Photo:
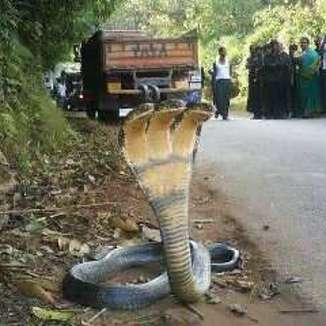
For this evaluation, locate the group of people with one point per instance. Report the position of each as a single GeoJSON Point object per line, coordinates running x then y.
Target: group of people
{"type": "Point", "coordinates": [292, 84]}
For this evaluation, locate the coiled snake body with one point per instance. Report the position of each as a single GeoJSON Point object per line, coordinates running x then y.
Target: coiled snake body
{"type": "Point", "coordinates": [158, 143]}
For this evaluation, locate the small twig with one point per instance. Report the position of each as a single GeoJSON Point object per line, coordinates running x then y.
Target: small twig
{"type": "Point", "coordinates": [12, 266]}
{"type": "Point", "coordinates": [27, 211]}
{"type": "Point", "coordinates": [208, 221]}
{"type": "Point", "coordinates": [101, 238]}
{"type": "Point", "coordinates": [32, 274]}
{"type": "Point", "coordinates": [254, 320]}
{"type": "Point", "coordinates": [95, 205]}
{"type": "Point", "coordinates": [54, 209]}
{"type": "Point", "coordinates": [89, 322]}
{"type": "Point", "coordinates": [147, 320]}
{"type": "Point", "coordinates": [194, 310]}
{"type": "Point", "coordinates": [298, 311]}
{"type": "Point", "coordinates": [58, 215]}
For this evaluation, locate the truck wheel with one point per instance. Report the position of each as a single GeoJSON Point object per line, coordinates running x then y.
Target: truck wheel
{"type": "Point", "coordinates": [155, 93]}
{"type": "Point", "coordinates": [108, 116]}
{"type": "Point", "coordinates": [90, 111]}
{"type": "Point", "coordinates": [109, 110]}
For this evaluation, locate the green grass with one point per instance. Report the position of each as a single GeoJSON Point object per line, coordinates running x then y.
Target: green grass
{"type": "Point", "coordinates": [34, 127]}
{"type": "Point", "coordinates": [239, 104]}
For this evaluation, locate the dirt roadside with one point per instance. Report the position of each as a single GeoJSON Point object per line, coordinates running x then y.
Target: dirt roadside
{"type": "Point", "coordinates": [84, 199]}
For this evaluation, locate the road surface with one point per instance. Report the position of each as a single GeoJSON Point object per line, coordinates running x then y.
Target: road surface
{"type": "Point", "coordinates": [274, 171]}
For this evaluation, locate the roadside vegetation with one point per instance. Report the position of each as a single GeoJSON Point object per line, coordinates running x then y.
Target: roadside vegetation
{"type": "Point", "coordinates": [235, 24]}
{"type": "Point", "coordinates": [33, 38]}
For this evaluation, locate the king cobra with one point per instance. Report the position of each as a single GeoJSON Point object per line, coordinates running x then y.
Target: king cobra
{"type": "Point", "coordinates": [158, 143]}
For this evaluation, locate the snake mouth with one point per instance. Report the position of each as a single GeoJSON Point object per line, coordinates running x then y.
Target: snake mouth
{"type": "Point", "coordinates": [158, 143]}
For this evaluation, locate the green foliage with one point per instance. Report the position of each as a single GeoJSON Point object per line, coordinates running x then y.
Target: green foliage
{"type": "Point", "coordinates": [49, 28]}
{"type": "Point", "coordinates": [34, 36]}
{"type": "Point", "coordinates": [288, 23]}
{"type": "Point", "coordinates": [212, 19]}
{"type": "Point", "coordinates": [233, 23]}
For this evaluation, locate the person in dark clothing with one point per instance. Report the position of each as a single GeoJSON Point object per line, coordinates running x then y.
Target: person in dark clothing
{"type": "Point", "coordinates": [322, 53]}
{"type": "Point", "coordinates": [251, 77]}
{"type": "Point", "coordinates": [255, 65]}
{"type": "Point", "coordinates": [318, 41]}
{"type": "Point", "coordinates": [293, 48]}
{"type": "Point", "coordinates": [266, 50]}
{"type": "Point", "coordinates": [275, 106]}
{"type": "Point", "coordinates": [285, 65]}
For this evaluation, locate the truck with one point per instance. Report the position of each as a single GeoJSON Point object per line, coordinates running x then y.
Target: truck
{"type": "Point", "coordinates": [122, 69]}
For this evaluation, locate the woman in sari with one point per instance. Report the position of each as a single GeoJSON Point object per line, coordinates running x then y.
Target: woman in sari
{"type": "Point", "coordinates": [308, 81]}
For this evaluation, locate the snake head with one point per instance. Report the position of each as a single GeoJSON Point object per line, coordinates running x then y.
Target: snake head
{"type": "Point", "coordinates": [158, 143]}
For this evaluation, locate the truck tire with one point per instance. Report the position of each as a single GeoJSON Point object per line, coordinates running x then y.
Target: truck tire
{"type": "Point", "coordinates": [155, 93]}
{"type": "Point", "coordinates": [108, 110]}
{"type": "Point", "coordinates": [108, 116]}
{"type": "Point", "coordinates": [91, 112]}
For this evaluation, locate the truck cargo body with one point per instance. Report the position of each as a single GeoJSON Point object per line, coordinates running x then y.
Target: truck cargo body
{"type": "Point", "coordinates": [122, 69]}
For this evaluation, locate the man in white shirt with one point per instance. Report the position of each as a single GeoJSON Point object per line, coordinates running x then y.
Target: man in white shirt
{"type": "Point", "coordinates": [223, 83]}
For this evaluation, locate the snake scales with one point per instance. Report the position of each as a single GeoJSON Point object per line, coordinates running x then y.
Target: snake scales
{"type": "Point", "coordinates": [157, 142]}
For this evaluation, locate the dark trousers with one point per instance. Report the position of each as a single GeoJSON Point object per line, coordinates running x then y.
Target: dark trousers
{"type": "Point", "coordinates": [257, 100]}
{"type": "Point", "coordinates": [274, 100]}
{"type": "Point", "coordinates": [222, 93]}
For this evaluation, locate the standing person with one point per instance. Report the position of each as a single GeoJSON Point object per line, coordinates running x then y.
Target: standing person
{"type": "Point", "coordinates": [293, 48]}
{"type": "Point", "coordinates": [308, 80]}
{"type": "Point", "coordinates": [285, 62]}
{"type": "Point", "coordinates": [275, 106]}
{"type": "Point", "coordinates": [258, 104]}
{"type": "Point", "coordinates": [318, 40]}
{"type": "Point", "coordinates": [266, 50]}
{"type": "Point", "coordinates": [323, 75]}
{"type": "Point", "coordinates": [254, 65]}
{"type": "Point", "coordinates": [251, 79]}
{"type": "Point", "coordinates": [223, 83]}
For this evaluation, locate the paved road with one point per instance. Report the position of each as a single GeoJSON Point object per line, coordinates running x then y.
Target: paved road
{"type": "Point", "coordinates": [275, 172]}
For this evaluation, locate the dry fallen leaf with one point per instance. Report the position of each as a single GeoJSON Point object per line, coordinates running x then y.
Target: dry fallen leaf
{"type": "Point", "coordinates": [241, 285]}
{"type": "Point", "coordinates": [212, 298]}
{"type": "Point", "coordinates": [151, 234]}
{"type": "Point", "coordinates": [181, 317]}
{"type": "Point", "coordinates": [237, 309]}
{"type": "Point", "coordinates": [33, 289]}
{"type": "Point", "coordinates": [63, 243]}
{"type": "Point", "coordinates": [78, 249]}
{"type": "Point", "coordinates": [74, 246]}
{"type": "Point", "coordinates": [127, 225]}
